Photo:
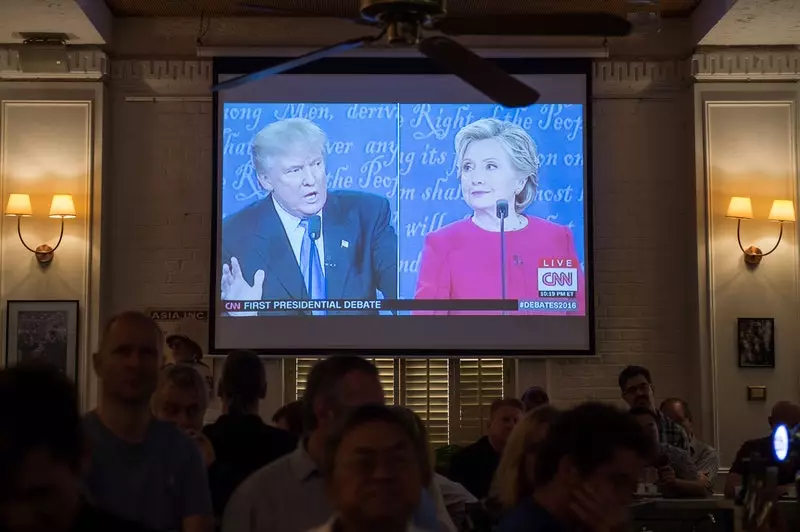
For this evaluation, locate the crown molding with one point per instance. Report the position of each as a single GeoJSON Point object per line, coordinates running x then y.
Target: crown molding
{"type": "Point", "coordinates": [193, 77]}
{"type": "Point", "coordinates": [84, 64]}
{"type": "Point", "coordinates": [747, 64]}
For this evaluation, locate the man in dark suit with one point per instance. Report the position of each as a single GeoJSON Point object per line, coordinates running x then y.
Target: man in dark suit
{"type": "Point", "coordinates": [270, 251]}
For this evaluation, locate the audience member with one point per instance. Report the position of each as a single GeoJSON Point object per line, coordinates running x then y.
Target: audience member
{"type": "Point", "coordinates": [180, 399]}
{"type": "Point", "coordinates": [705, 457]}
{"type": "Point", "coordinates": [637, 389]}
{"type": "Point", "coordinates": [586, 472]}
{"type": "Point", "coordinates": [677, 475]}
{"type": "Point", "coordinates": [289, 417]}
{"type": "Point", "coordinates": [534, 397]}
{"type": "Point", "coordinates": [474, 466]}
{"type": "Point", "coordinates": [142, 469]}
{"type": "Point", "coordinates": [289, 495]}
{"type": "Point", "coordinates": [374, 472]}
{"type": "Point", "coordinates": [513, 480]}
{"type": "Point", "coordinates": [431, 514]}
{"type": "Point", "coordinates": [42, 451]}
{"type": "Point", "coordinates": [242, 441]}
{"type": "Point", "coordinates": [783, 413]}
{"type": "Point", "coordinates": [185, 350]}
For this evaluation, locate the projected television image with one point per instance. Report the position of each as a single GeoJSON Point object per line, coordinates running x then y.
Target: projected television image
{"type": "Point", "coordinates": [402, 214]}
{"type": "Point", "coordinates": [401, 209]}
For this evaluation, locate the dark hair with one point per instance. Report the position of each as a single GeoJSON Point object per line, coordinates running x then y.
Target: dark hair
{"type": "Point", "coordinates": [589, 434]}
{"type": "Point", "coordinates": [633, 371]}
{"type": "Point", "coordinates": [643, 411]}
{"type": "Point", "coordinates": [243, 381]}
{"type": "Point", "coordinates": [535, 394]}
{"type": "Point", "coordinates": [497, 404]}
{"type": "Point", "coordinates": [323, 381]}
{"type": "Point", "coordinates": [686, 410]}
{"type": "Point", "coordinates": [293, 413]}
{"type": "Point", "coordinates": [421, 442]}
{"type": "Point", "coordinates": [362, 415]}
{"type": "Point", "coordinates": [38, 410]}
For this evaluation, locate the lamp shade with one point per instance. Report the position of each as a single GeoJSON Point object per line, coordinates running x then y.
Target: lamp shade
{"type": "Point", "coordinates": [62, 206]}
{"type": "Point", "coordinates": [740, 208]}
{"type": "Point", "coordinates": [782, 211]}
{"type": "Point", "coordinates": [19, 205]}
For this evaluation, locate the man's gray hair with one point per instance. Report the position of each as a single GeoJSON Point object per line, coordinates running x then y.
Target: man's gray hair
{"type": "Point", "coordinates": [279, 137]}
{"type": "Point", "coordinates": [518, 144]}
{"type": "Point", "coordinates": [183, 377]}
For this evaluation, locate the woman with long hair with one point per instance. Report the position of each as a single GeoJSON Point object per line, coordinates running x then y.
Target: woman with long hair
{"type": "Point", "coordinates": [513, 479]}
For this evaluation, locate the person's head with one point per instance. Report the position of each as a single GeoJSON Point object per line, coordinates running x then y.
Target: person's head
{"type": "Point", "coordinates": [503, 415]}
{"type": "Point", "coordinates": [593, 444]}
{"type": "Point", "coordinates": [419, 431]}
{"type": "Point", "coordinates": [647, 420]}
{"type": "Point", "coordinates": [289, 417]}
{"type": "Point", "coordinates": [288, 157]}
{"type": "Point", "coordinates": [678, 411]}
{"type": "Point", "coordinates": [181, 397]}
{"type": "Point", "coordinates": [129, 358]}
{"type": "Point", "coordinates": [637, 388]}
{"type": "Point", "coordinates": [513, 479]}
{"type": "Point", "coordinates": [534, 397]}
{"type": "Point", "coordinates": [372, 468]}
{"type": "Point", "coordinates": [335, 385]}
{"type": "Point", "coordinates": [497, 160]}
{"type": "Point", "coordinates": [243, 382]}
{"type": "Point", "coordinates": [784, 413]}
{"type": "Point", "coordinates": [42, 450]}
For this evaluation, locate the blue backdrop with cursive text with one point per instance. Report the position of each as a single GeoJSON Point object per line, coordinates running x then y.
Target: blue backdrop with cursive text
{"type": "Point", "coordinates": [405, 152]}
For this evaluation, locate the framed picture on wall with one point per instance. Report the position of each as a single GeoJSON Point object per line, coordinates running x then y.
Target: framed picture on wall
{"type": "Point", "coordinates": [43, 331]}
{"type": "Point", "coordinates": [756, 342]}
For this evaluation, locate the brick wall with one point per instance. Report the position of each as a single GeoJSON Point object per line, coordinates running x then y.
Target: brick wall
{"type": "Point", "coordinates": [160, 203]}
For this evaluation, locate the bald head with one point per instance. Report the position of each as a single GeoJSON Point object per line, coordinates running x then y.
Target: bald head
{"type": "Point", "coordinates": [785, 413]}
{"type": "Point", "coordinates": [130, 319]}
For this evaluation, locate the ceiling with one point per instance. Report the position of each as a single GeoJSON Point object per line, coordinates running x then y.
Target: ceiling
{"type": "Point", "coordinates": [350, 8]}
{"type": "Point", "coordinates": [46, 16]}
{"type": "Point", "coordinates": [757, 23]}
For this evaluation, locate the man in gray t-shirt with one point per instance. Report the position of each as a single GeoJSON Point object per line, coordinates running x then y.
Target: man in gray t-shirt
{"type": "Point", "coordinates": [142, 469]}
{"type": "Point", "coordinates": [157, 482]}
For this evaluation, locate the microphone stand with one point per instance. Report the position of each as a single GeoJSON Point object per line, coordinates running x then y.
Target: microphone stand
{"type": "Point", "coordinates": [502, 214]}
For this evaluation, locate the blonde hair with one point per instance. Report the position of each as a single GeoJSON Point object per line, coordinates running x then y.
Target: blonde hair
{"type": "Point", "coordinates": [184, 377]}
{"type": "Point", "coordinates": [279, 137]}
{"type": "Point", "coordinates": [511, 483]}
{"type": "Point", "coordinates": [518, 144]}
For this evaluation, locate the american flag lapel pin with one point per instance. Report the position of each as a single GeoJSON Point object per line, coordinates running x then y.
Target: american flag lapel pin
{"type": "Point", "coordinates": [345, 244]}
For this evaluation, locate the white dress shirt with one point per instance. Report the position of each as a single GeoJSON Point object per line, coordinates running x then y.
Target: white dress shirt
{"type": "Point", "coordinates": [295, 233]}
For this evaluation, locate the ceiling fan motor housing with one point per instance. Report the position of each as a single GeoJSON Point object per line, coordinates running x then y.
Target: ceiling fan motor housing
{"type": "Point", "coordinates": [393, 10]}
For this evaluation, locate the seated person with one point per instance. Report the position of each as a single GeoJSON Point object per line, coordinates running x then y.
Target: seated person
{"type": "Point", "coordinates": [474, 466]}
{"type": "Point", "coordinates": [677, 474]}
{"type": "Point", "coordinates": [42, 449]}
{"type": "Point", "coordinates": [783, 413]}
{"type": "Point", "coordinates": [705, 457]}
{"type": "Point", "coordinates": [373, 472]}
{"type": "Point", "coordinates": [585, 473]}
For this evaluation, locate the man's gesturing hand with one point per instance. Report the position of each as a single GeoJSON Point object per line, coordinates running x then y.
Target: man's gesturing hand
{"type": "Point", "coordinates": [236, 288]}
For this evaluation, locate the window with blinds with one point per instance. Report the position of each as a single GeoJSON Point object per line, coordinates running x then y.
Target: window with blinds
{"type": "Point", "coordinates": [452, 396]}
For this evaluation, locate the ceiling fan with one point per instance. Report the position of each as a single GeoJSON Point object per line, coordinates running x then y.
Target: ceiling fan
{"type": "Point", "coordinates": [402, 22]}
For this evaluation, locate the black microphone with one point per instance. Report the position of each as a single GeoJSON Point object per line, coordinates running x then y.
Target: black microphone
{"type": "Point", "coordinates": [502, 213]}
{"type": "Point", "coordinates": [314, 230]}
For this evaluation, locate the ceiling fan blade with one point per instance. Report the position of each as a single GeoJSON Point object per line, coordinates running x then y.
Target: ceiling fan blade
{"type": "Point", "coordinates": [294, 63]}
{"type": "Point", "coordinates": [483, 75]}
{"type": "Point", "coordinates": [544, 24]}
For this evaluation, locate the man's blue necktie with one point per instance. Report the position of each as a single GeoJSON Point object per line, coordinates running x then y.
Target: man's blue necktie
{"type": "Point", "coordinates": [311, 267]}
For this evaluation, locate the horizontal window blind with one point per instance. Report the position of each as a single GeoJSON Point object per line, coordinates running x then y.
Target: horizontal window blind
{"type": "Point", "coordinates": [425, 383]}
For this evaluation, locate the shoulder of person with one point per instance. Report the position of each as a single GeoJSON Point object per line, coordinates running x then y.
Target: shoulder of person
{"type": "Point", "coordinates": [356, 199]}
{"type": "Point", "coordinates": [280, 437]}
{"type": "Point", "coordinates": [546, 226]}
{"type": "Point", "coordinates": [246, 217]}
{"type": "Point", "coordinates": [454, 230]}
{"type": "Point", "coordinates": [173, 437]}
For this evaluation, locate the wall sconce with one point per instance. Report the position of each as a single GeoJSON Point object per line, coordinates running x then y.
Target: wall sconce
{"type": "Point", "coordinates": [782, 211]}
{"type": "Point", "coordinates": [61, 206]}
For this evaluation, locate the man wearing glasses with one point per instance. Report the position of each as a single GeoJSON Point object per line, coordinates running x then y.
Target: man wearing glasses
{"type": "Point", "coordinates": [637, 389]}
